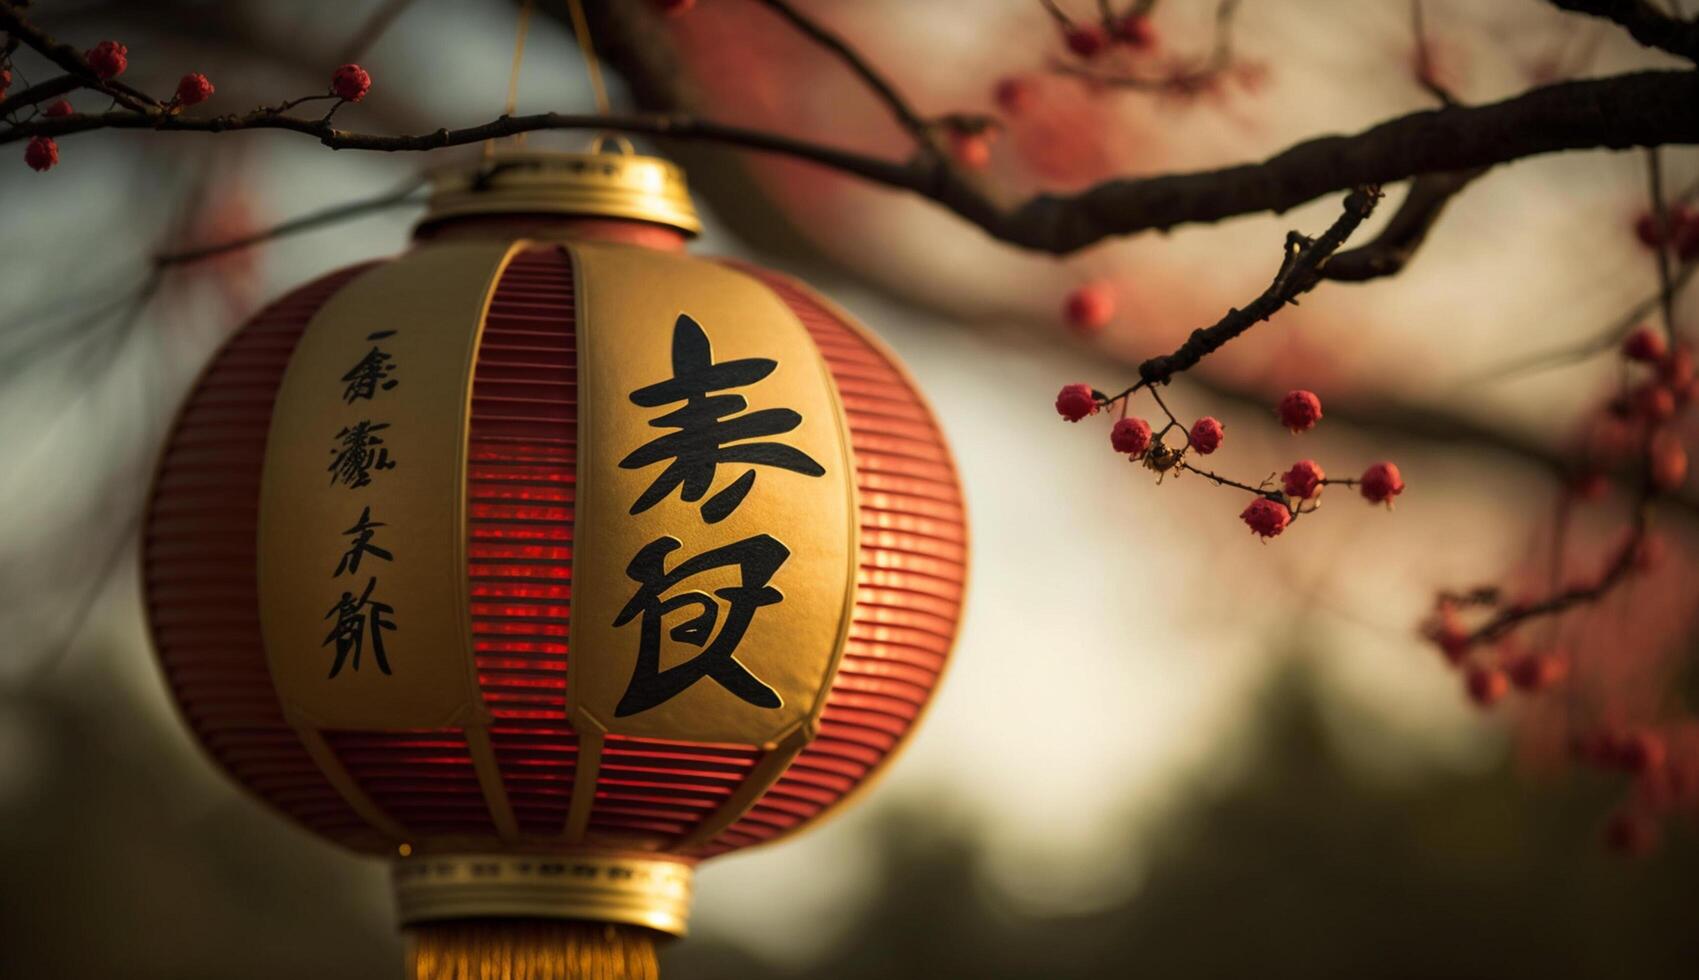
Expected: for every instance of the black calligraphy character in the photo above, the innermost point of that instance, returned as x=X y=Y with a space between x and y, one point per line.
x=361 y=452
x=707 y=434
x=371 y=373
x=350 y=630
x=756 y=558
x=362 y=532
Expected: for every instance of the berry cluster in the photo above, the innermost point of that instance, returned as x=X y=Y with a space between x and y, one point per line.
x=106 y=61
x=109 y=59
x=1131 y=31
x=1276 y=501
x=1489 y=672
x=1480 y=632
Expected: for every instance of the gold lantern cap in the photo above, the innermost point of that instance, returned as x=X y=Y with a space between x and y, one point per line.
x=597 y=184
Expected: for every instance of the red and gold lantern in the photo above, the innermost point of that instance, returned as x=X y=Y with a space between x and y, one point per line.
x=548 y=560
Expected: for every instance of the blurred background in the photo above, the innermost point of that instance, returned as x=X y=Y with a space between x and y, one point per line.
x=1163 y=745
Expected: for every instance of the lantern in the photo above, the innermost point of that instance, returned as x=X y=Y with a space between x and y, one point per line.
x=548 y=560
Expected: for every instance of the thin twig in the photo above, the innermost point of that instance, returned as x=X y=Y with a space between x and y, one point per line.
x=1299 y=273
x=1606 y=340
x=878 y=83
x=1512 y=616
x=1390 y=251
x=1206 y=69
x=1222 y=481
x=1666 y=232
x=407 y=193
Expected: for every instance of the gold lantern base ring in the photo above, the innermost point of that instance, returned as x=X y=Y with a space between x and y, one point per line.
x=638 y=890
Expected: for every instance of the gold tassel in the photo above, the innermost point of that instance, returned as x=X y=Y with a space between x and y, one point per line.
x=530 y=949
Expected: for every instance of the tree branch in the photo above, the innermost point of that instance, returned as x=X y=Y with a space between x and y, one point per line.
x=1182 y=80
x=881 y=87
x=1644 y=22
x=39 y=92
x=1396 y=244
x=1640 y=109
x=68 y=58
x=405 y=194
x=1299 y=271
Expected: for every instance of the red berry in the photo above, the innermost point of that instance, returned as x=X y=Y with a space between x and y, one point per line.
x=1075 y=402
x=1131 y=436
x=1653 y=402
x=1646 y=229
x=1380 y=483
x=1686 y=235
x=1642 y=751
x=1207 y=434
x=1667 y=461
x=1486 y=685
x=1014 y=95
x=108 y=59
x=1265 y=517
x=5 y=81
x=41 y=153
x=1303 y=480
x=350 y=83
x=1300 y=410
x=1449 y=635
x=193 y=89
x=1539 y=671
x=971 y=150
x=1646 y=345
x=61 y=107
x=1087 y=40
x=1090 y=307
x=1136 y=31
x=1630 y=834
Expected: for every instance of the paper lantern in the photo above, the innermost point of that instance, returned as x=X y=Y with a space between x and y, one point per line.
x=548 y=560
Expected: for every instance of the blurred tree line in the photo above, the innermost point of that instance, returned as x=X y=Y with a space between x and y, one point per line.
x=125 y=858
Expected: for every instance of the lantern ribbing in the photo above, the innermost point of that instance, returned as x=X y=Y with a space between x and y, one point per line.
x=523 y=794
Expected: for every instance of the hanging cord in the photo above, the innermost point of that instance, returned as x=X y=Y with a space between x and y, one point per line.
x=593 y=67
x=513 y=76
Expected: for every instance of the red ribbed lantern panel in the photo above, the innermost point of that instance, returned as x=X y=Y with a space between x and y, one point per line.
x=522 y=476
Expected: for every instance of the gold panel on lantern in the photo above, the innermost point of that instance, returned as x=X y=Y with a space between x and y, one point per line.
x=363 y=597
x=716 y=533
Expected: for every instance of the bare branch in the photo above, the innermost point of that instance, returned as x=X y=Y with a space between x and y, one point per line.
x=1218 y=60
x=40 y=92
x=1605 y=340
x=407 y=193
x=67 y=58
x=1299 y=273
x=1560 y=601
x=881 y=87
x=1393 y=248
x=1666 y=230
x=1644 y=22
x=1640 y=109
